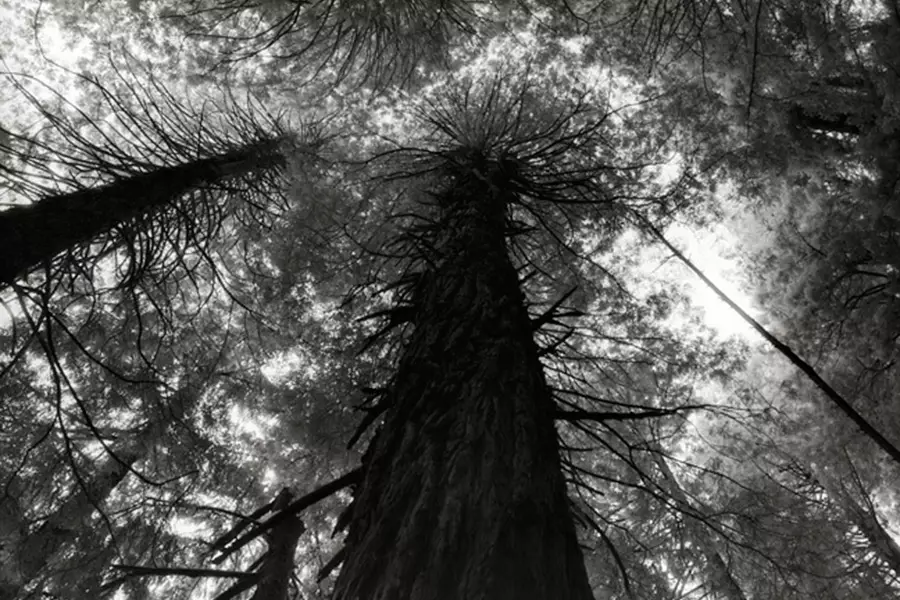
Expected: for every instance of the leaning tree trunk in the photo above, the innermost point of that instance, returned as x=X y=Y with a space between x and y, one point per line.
x=862 y=514
x=33 y=234
x=462 y=494
x=721 y=579
x=31 y=552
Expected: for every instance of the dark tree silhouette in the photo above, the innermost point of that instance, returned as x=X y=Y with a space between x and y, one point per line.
x=462 y=492
x=33 y=235
x=463 y=496
x=149 y=174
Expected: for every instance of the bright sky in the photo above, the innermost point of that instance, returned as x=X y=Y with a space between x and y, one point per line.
x=712 y=251
x=651 y=269
x=715 y=251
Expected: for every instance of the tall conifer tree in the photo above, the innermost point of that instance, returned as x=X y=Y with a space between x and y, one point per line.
x=463 y=494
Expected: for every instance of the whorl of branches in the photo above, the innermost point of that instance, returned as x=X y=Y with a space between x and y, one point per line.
x=376 y=44
x=549 y=140
x=145 y=128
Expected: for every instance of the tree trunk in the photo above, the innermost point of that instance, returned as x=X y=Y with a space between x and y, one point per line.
x=30 y=553
x=722 y=582
x=861 y=514
x=33 y=551
x=278 y=565
x=462 y=494
x=31 y=235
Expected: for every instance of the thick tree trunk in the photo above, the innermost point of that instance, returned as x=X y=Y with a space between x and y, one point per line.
x=33 y=234
x=462 y=495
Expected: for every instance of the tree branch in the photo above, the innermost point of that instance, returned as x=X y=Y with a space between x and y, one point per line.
x=807 y=369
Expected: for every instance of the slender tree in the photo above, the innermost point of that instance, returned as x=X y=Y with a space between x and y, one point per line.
x=854 y=501
x=720 y=575
x=31 y=551
x=36 y=543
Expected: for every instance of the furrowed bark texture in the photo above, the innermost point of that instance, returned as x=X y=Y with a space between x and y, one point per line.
x=462 y=495
x=33 y=234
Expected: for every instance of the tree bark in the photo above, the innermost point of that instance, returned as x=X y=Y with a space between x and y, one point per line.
x=31 y=235
x=462 y=493
x=278 y=565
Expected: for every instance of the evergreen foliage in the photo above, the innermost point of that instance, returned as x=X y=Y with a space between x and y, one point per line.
x=405 y=300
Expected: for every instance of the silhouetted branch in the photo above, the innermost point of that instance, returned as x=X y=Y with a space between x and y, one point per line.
x=586 y=415
x=843 y=405
x=293 y=508
x=138 y=571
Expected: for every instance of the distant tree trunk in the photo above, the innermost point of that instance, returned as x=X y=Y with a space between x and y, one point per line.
x=33 y=234
x=12 y=523
x=462 y=494
x=33 y=551
x=722 y=582
x=278 y=565
x=862 y=515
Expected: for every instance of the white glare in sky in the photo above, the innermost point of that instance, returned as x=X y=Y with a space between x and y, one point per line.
x=708 y=250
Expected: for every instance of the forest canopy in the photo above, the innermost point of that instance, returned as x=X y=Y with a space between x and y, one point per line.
x=450 y=299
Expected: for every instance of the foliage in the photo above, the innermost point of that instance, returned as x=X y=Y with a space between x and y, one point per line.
x=234 y=340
